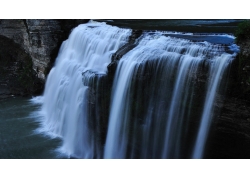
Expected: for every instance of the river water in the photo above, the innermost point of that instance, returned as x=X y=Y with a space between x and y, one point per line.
x=19 y=135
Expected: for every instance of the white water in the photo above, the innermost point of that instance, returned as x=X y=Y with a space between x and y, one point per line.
x=88 y=48
x=163 y=129
x=216 y=72
x=152 y=100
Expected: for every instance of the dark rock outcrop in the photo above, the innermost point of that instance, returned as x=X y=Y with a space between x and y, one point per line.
x=16 y=73
x=36 y=40
x=120 y=52
x=230 y=134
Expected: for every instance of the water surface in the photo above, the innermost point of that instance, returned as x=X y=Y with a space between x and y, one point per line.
x=18 y=136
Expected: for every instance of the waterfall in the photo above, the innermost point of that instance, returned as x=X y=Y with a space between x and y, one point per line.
x=159 y=103
x=216 y=72
x=170 y=68
x=67 y=99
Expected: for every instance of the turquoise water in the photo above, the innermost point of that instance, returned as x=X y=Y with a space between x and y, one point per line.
x=18 y=136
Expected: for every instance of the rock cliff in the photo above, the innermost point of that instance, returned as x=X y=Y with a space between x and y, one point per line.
x=33 y=43
x=230 y=134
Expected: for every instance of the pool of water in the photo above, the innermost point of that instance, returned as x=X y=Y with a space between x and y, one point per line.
x=19 y=138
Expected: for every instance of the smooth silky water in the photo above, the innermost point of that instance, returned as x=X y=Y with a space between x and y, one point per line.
x=149 y=114
x=160 y=130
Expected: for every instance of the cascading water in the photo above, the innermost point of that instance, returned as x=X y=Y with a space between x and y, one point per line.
x=66 y=99
x=170 y=69
x=162 y=100
x=217 y=68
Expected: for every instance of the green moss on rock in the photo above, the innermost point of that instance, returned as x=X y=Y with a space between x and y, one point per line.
x=243 y=31
x=242 y=35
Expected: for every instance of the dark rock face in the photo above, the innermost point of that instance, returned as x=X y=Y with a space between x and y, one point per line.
x=45 y=39
x=120 y=52
x=14 y=29
x=230 y=134
x=243 y=73
x=16 y=73
x=230 y=137
x=36 y=40
x=43 y=36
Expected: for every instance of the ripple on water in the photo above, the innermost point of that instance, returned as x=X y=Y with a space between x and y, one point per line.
x=20 y=137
